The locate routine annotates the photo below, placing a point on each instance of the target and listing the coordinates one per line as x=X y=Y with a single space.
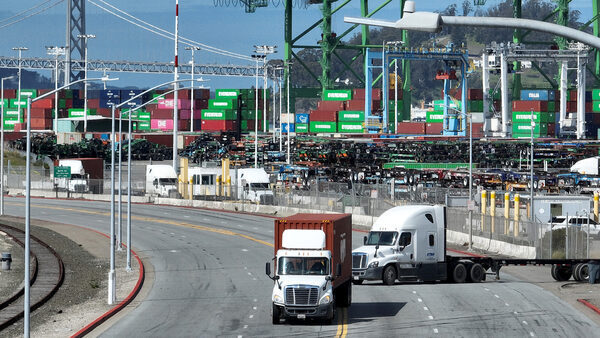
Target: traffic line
x=342 y=329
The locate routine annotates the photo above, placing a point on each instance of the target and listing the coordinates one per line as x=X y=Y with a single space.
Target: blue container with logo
x=537 y=95
x=302 y=118
x=285 y=128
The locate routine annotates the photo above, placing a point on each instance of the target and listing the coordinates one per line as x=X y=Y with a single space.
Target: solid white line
x=496 y=296
x=435 y=330
x=430 y=317
x=245 y=250
x=420 y=300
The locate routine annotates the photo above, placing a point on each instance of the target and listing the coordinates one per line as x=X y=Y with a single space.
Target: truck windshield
x=303 y=266
x=382 y=238
x=167 y=181
x=76 y=176
x=259 y=186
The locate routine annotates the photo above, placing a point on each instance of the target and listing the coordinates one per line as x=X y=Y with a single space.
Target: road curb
x=138 y=286
x=589 y=305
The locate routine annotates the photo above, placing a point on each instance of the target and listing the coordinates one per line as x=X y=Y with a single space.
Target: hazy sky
x=228 y=28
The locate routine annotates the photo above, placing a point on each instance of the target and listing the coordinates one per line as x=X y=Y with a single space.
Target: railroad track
x=46 y=276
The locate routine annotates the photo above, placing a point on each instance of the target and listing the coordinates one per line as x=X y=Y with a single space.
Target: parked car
x=560 y=222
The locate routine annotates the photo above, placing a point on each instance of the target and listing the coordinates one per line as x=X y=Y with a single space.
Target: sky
x=228 y=28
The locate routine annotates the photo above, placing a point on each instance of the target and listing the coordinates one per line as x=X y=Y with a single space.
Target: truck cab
x=79 y=179
x=254 y=184
x=161 y=180
x=405 y=242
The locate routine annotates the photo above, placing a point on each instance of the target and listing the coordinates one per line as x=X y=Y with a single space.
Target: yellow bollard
x=218 y=192
x=506 y=205
x=516 y=227
x=596 y=197
x=190 y=189
x=228 y=186
x=483 y=202
x=493 y=209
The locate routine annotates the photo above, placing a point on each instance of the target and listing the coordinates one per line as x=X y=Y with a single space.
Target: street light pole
x=56 y=51
x=19 y=50
x=531 y=168
x=470 y=182
x=261 y=53
x=280 y=109
x=256 y=57
x=288 y=111
x=192 y=48
x=85 y=38
x=2 y=145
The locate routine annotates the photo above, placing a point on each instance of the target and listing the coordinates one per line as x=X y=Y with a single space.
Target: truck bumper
x=303 y=312
x=367 y=274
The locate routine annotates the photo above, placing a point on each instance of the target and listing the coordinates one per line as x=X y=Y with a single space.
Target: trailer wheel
x=580 y=272
x=389 y=275
x=553 y=272
x=576 y=272
x=276 y=314
x=476 y=273
x=459 y=274
x=562 y=273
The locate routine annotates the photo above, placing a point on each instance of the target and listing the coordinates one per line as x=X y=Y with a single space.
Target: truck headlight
x=374 y=264
x=277 y=299
x=325 y=300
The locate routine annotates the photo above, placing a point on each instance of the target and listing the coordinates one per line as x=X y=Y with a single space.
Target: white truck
x=253 y=184
x=87 y=175
x=409 y=243
x=161 y=180
x=312 y=266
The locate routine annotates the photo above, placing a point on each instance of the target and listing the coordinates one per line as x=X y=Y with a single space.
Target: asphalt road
x=210 y=281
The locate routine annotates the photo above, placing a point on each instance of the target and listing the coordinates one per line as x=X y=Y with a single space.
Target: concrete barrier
x=492 y=245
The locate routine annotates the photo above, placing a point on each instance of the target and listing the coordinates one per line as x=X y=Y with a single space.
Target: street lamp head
x=20 y=48
x=411 y=20
x=201 y=80
x=192 y=48
x=106 y=78
x=86 y=36
x=8 y=77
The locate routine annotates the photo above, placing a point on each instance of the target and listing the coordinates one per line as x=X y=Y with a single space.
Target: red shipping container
x=183 y=125
x=161 y=114
x=68 y=103
x=358 y=94
x=331 y=105
x=477 y=130
x=10 y=93
x=169 y=104
x=434 y=128
x=589 y=106
x=93 y=103
x=41 y=92
x=323 y=115
x=185 y=114
x=411 y=128
x=41 y=123
x=181 y=95
x=571 y=107
x=497 y=105
x=391 y=94
x=161 y=124
x=43 y=103
x=151 y=107
x=39 y=113
x=551 y=129
x=106 y=112
x=218 y=125
x=357 y=104
x=188 y=139
x=536 y=106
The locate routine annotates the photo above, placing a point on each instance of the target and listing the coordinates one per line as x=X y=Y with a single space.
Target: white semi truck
x=409 y=243
x=161 y=180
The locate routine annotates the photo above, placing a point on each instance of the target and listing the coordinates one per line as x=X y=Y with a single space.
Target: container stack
x=302 y=122
x=161 y=109
x=542 y=103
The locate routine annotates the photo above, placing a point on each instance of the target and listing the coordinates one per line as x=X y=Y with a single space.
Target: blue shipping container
x=129 y=93
x=302 y=118
x=109 y=94
x=93 y=94
x=108 y=103
x=284 y=127
x=537 y=95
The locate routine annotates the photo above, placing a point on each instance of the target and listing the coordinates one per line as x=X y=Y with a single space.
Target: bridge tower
x=75 y=45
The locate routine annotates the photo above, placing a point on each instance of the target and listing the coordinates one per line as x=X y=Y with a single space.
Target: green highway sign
x=62 y=172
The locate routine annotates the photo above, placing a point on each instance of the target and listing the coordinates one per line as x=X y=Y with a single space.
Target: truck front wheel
x=389 y=275
x=276 y=314
x=459 y=274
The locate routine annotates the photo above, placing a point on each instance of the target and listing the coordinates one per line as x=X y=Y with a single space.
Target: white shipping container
x=68 y=138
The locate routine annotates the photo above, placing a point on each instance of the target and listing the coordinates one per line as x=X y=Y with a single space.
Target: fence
x=358 y=199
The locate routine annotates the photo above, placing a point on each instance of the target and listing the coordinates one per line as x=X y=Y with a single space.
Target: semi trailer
x=312 y=266
x=409 y=243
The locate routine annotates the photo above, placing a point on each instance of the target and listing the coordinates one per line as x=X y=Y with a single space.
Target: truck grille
x=301 y=295
x=359 y=260
x=79 y=187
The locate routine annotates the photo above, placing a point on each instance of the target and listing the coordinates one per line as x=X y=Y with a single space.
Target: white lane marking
x=165 y=213
x=240 y=336
x=255 y=228
x=425 y=308
x=430 y=317
x=254 y=308
x=245 y=250
x=173 y=251
x=222 y=222
x=182 y=236
x=186 y=216
x=240 y=225
x=496 y=296
x=254 y=279
x=205 y=219
x=532 y=334
x=245 y=326
x=435 y=330
x=516 y=312
x=255 y=300
x=415 y=292
x=245 y=268
x=249 y=273
x=524 y=322
x=251 y=316
x=505 y=304
x=486 y=289
x=420 y=300
x=172 y=233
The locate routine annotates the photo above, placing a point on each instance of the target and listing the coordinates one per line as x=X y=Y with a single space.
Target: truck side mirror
x=364 y=240
x=268 y=269
x=338 y=270
x=155 y=182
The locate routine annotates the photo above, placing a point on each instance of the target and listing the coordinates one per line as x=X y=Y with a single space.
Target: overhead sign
x=62 y=172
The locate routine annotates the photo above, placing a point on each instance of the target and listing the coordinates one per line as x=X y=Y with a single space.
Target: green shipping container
x=250 y=115
x=125 y=114
x=434 y=117
x=302 y=127
x=143 y=125
x=225 y=114
x=351 y=127
x=551 y=106
x=322 y=127
x=5 y=103
x=596 y=94
x=25 y=93
x=438 y=105
x=14 y=103
x=391 y=105
x=10 y=124
x=227 y=93
x=78 y=112
x=222 y=104
x=596 y=106
x=525 y=128
x=337 y=95
x=475 y=106
x=144 y=116
x=525 y=117
x=14 y=115
x=351 y=116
